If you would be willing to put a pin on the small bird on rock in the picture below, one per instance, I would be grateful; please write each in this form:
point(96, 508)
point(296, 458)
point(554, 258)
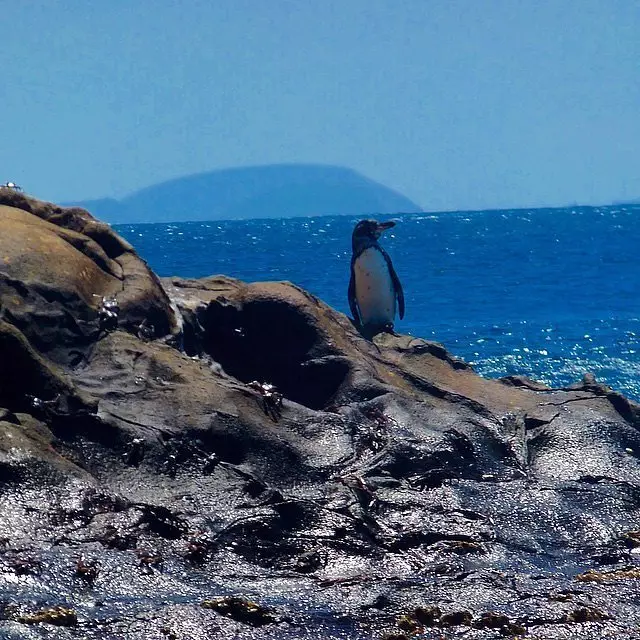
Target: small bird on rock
point(374, 287)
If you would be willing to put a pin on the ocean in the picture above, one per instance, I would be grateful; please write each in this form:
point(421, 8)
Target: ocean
point(546, 293)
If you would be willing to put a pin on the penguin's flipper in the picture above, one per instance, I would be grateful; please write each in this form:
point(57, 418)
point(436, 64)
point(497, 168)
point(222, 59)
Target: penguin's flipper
point(351, 294)
point(397, 286)
point(399, 293)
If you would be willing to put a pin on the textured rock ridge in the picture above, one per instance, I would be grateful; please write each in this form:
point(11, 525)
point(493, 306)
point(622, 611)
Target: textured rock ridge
point(154, 484)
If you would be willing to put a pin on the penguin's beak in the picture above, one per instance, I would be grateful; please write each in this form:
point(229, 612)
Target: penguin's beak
point(383, 226)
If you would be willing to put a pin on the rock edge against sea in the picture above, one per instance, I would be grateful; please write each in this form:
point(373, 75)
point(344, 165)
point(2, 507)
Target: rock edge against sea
point(150, 490)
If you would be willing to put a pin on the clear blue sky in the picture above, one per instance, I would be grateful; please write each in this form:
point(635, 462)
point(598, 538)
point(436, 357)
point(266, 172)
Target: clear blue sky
point(458, 104)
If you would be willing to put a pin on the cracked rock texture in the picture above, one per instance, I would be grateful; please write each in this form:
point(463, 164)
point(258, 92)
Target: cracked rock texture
point(149, 491)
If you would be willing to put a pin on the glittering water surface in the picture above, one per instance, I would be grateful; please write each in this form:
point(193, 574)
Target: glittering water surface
point(548, 293)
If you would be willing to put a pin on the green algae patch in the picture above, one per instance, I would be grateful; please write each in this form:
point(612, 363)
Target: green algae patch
point(241, 610)
point(58, 616)
point(609, 576)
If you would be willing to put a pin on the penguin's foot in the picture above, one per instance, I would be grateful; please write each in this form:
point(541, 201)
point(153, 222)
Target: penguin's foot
point(368, 331)
point(388, 328)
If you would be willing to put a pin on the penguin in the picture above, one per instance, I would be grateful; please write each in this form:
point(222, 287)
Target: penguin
point(374, 286)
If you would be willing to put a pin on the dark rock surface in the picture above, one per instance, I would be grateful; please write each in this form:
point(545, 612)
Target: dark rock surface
point(149, 490)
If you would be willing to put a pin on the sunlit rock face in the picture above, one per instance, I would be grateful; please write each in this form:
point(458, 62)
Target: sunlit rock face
point(213, 458)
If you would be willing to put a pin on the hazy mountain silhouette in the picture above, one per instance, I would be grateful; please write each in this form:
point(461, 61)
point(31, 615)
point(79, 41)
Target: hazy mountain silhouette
point(270, 191)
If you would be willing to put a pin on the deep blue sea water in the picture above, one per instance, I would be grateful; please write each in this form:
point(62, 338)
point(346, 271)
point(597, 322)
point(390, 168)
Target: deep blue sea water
point(547, 293)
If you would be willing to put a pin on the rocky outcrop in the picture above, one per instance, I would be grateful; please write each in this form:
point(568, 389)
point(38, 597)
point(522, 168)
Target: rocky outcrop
point(56, 267)
point(234, 460)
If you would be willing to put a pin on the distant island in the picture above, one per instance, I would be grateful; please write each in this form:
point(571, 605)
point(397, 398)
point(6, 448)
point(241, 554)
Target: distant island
point(271, 191)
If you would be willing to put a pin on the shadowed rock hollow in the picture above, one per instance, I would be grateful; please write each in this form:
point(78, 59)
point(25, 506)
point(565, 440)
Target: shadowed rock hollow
point(149, 490)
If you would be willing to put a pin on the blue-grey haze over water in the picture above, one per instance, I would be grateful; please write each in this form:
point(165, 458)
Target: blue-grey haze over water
point(546, 293)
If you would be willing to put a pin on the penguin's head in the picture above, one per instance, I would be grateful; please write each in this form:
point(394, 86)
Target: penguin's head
point(367, 232)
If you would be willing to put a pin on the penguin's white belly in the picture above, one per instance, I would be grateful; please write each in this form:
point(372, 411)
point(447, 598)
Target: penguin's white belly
point(375, 293)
